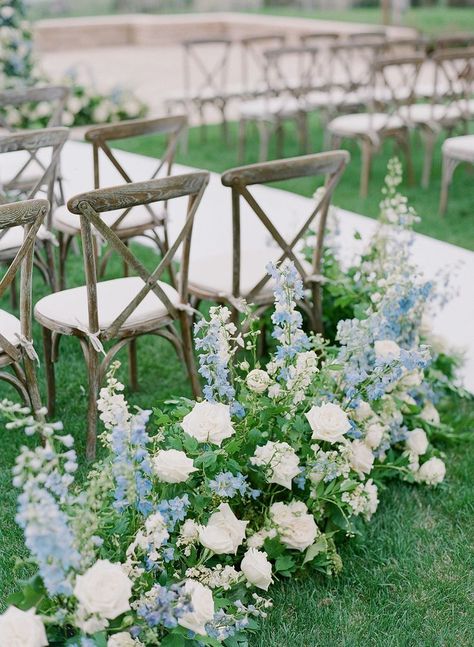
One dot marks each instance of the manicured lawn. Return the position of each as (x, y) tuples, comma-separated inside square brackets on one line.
[(407, 582)]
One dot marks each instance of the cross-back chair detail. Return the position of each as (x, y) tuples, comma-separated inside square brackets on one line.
[(129, 297), (319, 38), (329, 165), (31, 143), (16, 344), (253, 48)]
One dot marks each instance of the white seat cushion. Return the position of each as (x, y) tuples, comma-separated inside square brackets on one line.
[(9, 327), (69, 307), (69, 223), (213, 274), (423, 113), (267, 108), (13, 239), (363, 124), (461, 148)]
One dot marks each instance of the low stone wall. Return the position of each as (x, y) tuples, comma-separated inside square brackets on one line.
[(150, 30)]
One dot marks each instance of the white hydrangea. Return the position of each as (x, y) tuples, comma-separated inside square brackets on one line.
[(363, 500)]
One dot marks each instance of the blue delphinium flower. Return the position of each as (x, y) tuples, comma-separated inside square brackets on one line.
[(174, 510), (226, 485), (164, 606)]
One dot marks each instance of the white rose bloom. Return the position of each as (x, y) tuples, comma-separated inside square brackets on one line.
[(202, 604), (208, 422), (104, 589), (374, 435), (417, 442), (274, 391), (430, 414), (258, 380), (296, 527), (22, 629), (257, 569), (362, 412), (280, 460), (386, 350), (371, 492), (123, 639), (360, 457), (224, 533), (328, 422), (432, 472), (412, 379), (173, 466)]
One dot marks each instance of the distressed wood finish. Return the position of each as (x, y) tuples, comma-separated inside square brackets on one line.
[(329, 165), (90, 206), (20, 356)]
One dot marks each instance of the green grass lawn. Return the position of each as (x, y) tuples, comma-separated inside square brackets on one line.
[(407, 582)]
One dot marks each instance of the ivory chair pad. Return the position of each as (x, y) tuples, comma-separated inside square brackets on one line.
[(364, 123), (69, 223), (461, 148), (213, 274), (10, 326), (68, 308), (423, 113), (269, 107), (13, 239)]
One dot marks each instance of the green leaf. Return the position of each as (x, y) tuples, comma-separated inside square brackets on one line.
[(30, 595), (173, 640), (320, 546), (284, 563)]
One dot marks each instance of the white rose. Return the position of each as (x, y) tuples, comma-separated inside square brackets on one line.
[(362, 412), (123, 639), (173, 466), (386, 350), (208, 422), (104, 589), (374, 435), (281, 461), (22, 629), (296, 527), (257, 569), (432, 472), (361, 458), (258, 380), (328, 422), (417, 442), (202, 604), (224, 532), (412, 379), (430, 414)]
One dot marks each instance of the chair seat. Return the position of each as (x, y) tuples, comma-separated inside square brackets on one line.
[(363, 124), (10, 327), (461, 148), (138, 218), (424, 113), (270, 107), (68, 308), (13, 238), (213, 274)]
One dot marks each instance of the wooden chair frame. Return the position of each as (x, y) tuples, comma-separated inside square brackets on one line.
[(31, 142), (253, 48), (319, 38), (331, 165), (174, 128), (29, 215), (89, 206)]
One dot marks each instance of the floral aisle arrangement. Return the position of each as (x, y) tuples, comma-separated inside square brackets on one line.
[(18, 68), (199, 508)]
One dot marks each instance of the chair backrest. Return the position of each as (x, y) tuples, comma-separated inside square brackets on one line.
[(253, 59), (294, 71), (172, 128), (395, 83), (319, 38), (206, 67), (374, 37), (29, 104), (453, 83), (33, 143), (328, 165), (351, 66), (453, 41), (90, 205), (28, 214), (405, 46)]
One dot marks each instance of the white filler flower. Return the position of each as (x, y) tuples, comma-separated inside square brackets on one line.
[(173, 466), (328, 422), (202, 604), (209, 422), (21, 629), (257, 569), (104, 589)]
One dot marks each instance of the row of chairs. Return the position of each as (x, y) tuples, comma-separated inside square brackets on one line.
[(115, 312)]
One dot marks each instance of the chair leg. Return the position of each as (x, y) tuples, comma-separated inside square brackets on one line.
[(49, 369), (404, 143), (132, 365), (429, 140), (13, 294), (366, 149), (302, 122), (93, 368), (32, 386), (242, 140), (280, 137), (449, 165), (264, 132), (185, 323)]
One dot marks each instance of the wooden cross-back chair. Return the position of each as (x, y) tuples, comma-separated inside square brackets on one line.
[(450, 104), (121, 310), (373, 37), (393, 86), (227, 279), (147, 220), (30, 146), (24, 101), (16, 345), (254, 63), (289, 71), (319, 38)]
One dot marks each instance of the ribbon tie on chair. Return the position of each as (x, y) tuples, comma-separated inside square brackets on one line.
[(28, 347), (93, 337)]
